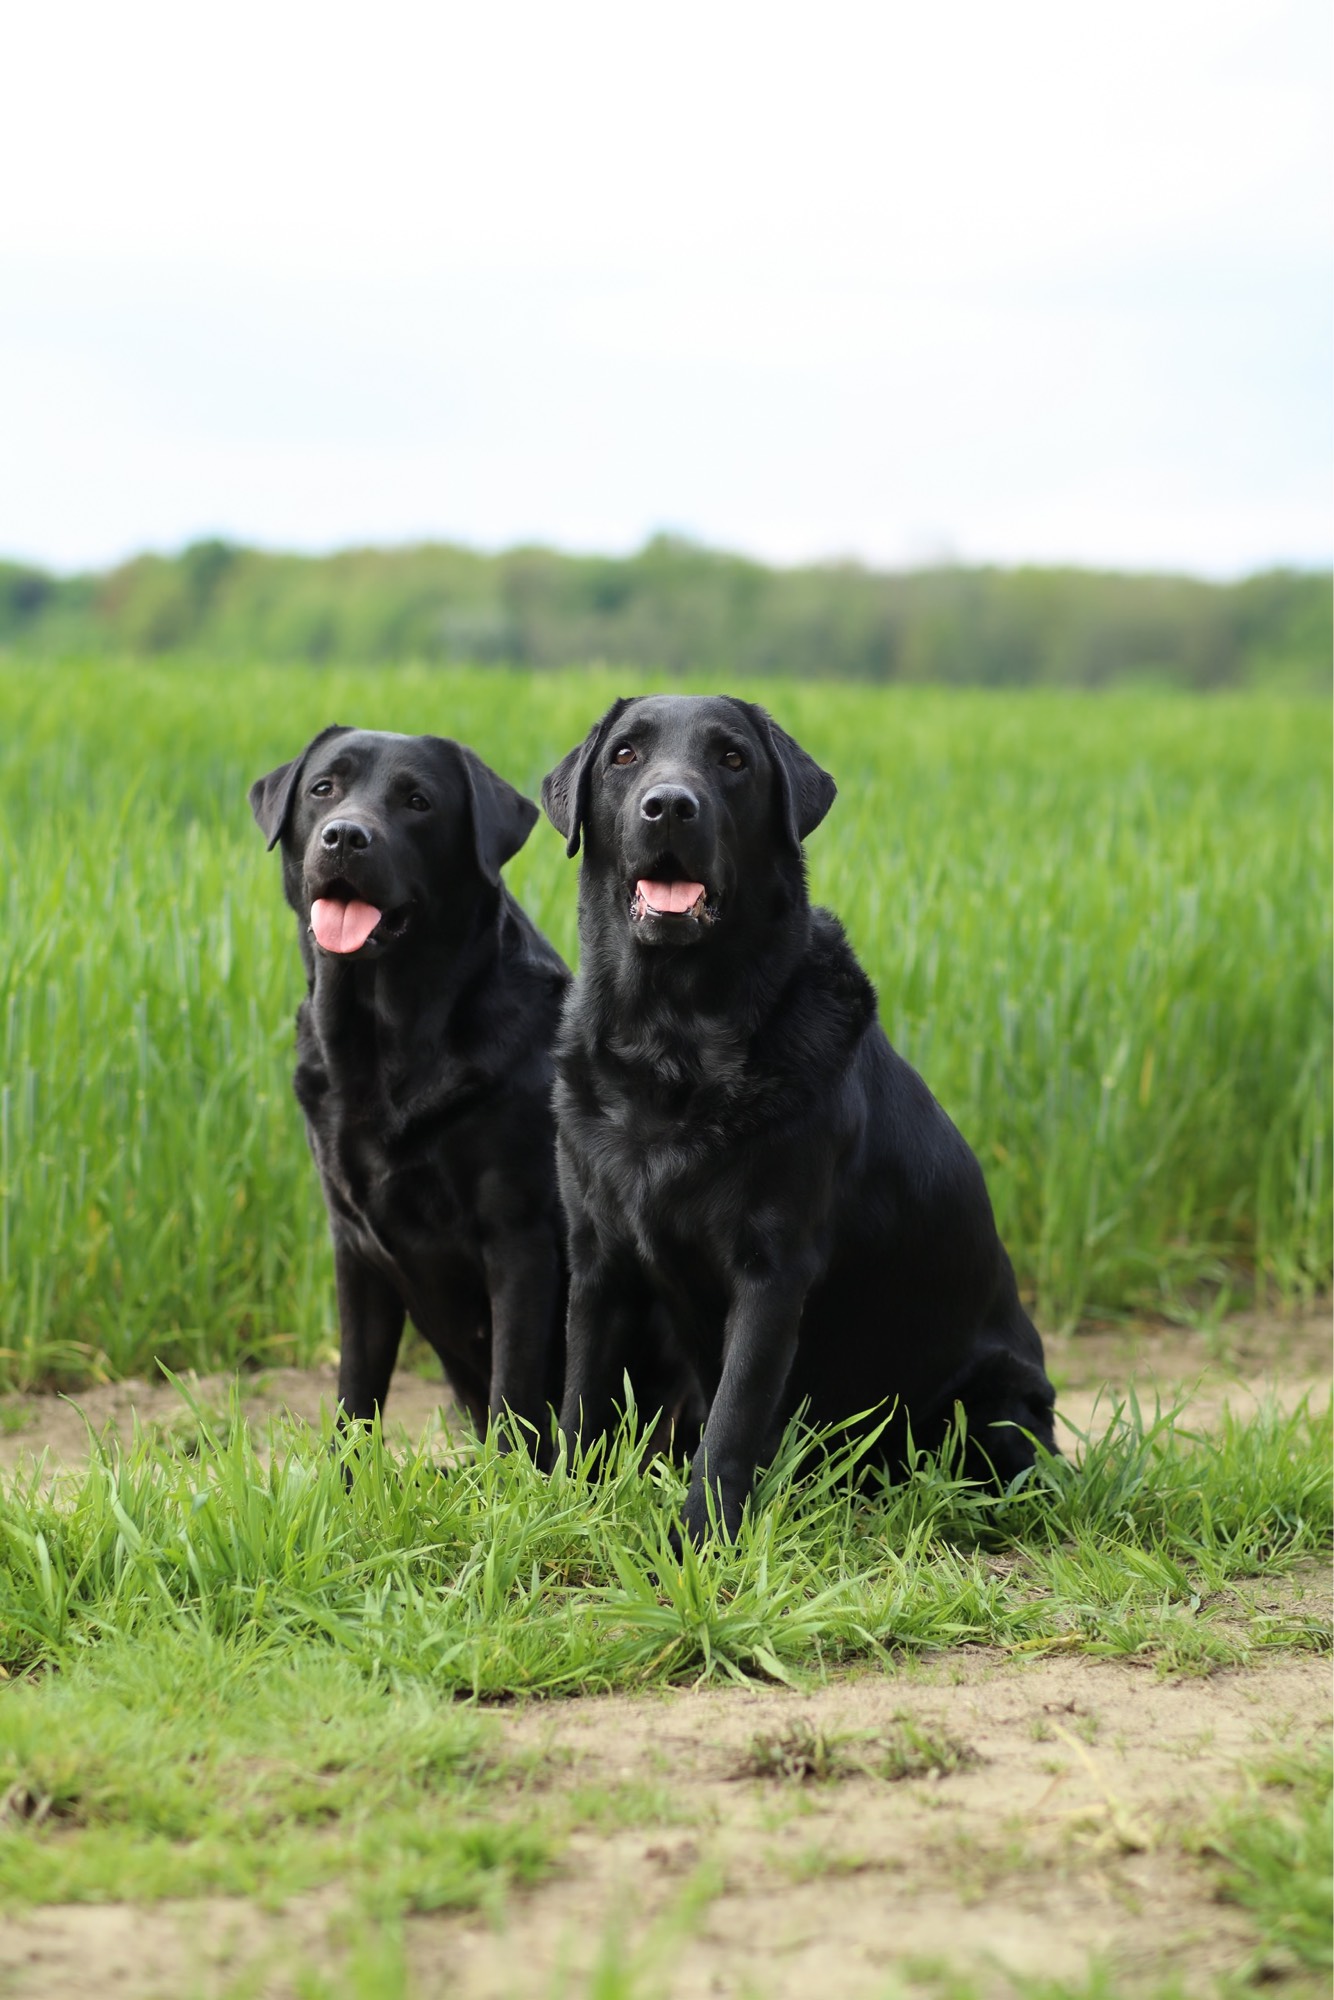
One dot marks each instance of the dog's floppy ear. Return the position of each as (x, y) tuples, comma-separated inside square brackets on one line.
[(805, 790), (565, 790), (502, 818), (271, 797)]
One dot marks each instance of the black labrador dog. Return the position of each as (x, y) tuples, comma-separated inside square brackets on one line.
[(424, 1063), (738, 1141)]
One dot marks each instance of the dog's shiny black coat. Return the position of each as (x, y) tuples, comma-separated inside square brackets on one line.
[(424, 1066), (737, 1139)]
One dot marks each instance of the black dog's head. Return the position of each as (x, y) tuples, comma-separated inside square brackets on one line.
[(692, 809), (380, 832)]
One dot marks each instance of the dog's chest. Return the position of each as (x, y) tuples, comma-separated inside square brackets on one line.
[(662, 1183), (400, 1208)]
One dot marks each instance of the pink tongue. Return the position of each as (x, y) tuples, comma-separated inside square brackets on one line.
[(670, 899), (342, 926)]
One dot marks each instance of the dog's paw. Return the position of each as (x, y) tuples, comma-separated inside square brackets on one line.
[(701, 1523)]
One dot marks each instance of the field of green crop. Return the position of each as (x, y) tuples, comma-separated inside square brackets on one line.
[(1099, 925), (254, 1669)]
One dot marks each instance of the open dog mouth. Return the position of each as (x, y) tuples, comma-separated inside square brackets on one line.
[(343, 924), (664, 895)]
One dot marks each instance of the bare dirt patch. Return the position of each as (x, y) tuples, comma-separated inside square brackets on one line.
[(1069, 1813), (1245, 1359), (65, 1428)]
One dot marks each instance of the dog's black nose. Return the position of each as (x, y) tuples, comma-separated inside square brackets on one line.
[(669, 802), (345, 836)]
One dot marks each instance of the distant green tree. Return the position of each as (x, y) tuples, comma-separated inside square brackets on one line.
[(675, 608)]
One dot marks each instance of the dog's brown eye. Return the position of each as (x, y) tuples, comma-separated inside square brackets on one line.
[(624, 753), (419, 803), (323, 789), (734, 760)]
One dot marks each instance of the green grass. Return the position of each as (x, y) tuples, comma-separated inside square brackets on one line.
[(489, 1578), (1276, 1850), (228, 1670), (235, 1671), (242, 1770), (1099, 925)]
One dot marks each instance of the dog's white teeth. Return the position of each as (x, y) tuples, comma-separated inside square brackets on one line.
[(641, 907)]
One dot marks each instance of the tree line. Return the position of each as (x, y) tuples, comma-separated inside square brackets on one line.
[(676, 608)]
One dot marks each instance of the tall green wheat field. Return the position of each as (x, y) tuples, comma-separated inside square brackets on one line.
[(1099, 926)]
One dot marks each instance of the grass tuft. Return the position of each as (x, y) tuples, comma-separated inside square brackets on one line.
[(482, 1577), (804, 1753)]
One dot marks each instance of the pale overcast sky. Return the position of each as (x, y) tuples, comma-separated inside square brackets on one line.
[(1026, 281)]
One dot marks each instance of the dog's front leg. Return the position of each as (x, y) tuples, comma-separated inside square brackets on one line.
[(370, 1320), (609, 1313), (759, 1344), (523, 1280)]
